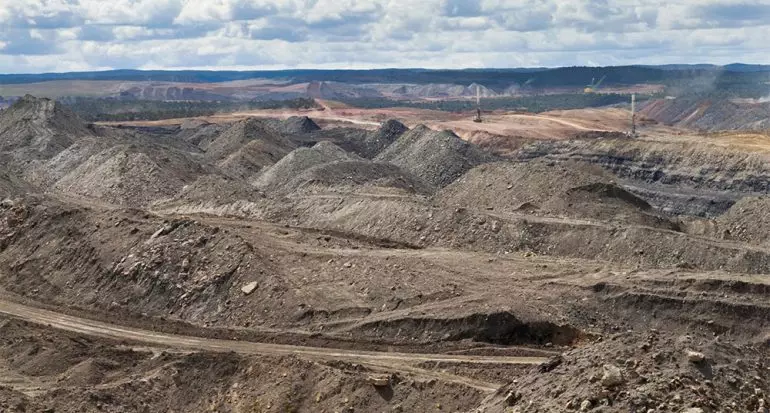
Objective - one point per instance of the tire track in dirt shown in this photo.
(402, 362)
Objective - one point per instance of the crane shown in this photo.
(593, 87)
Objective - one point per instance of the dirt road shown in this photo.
(403, 362)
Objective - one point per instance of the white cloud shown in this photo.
(45, 35)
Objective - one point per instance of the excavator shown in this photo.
(593, 87)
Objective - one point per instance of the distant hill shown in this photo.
(181, 91)
(563, 76)
(741, 67)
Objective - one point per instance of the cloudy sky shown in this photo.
(67, 35)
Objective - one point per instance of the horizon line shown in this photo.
(377, 69)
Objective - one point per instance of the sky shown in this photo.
(80, 35)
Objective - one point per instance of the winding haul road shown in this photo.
(404, 362)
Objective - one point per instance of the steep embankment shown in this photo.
(129, 261)
(747, 221)
(39, 128)
(709, 114)
(542, 189)
(681, 178)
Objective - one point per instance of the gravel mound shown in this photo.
(356, 176)
(748, 221)
(642, 373)
(299, 160)
(41, 127)
(248, 161)
(244, 132)
(219, 189)
(327, 167)
(374, 143)
(248, 146)
(437, 158)
(217, 195)
(299, 125)
(131, 260)
(365, 143)
(127, 175)
(542, 188)
(200, 134)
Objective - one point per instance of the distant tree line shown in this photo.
(119, 110)
(493, 78)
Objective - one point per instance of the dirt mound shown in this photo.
(215, 194)
(251, 159)
(437, 158)
(376, 142)
(639, 373)
(129, 261)
(408, 221)
(200, 134)
(247, 147)
(274, 145)
(40, 127)
(299, 125)
(355, 176)
(748, 221)
(542, 188)
(299, 160)
(364, 143)
(327, 167)
(219, 189)
(678, 177)
(129, 175)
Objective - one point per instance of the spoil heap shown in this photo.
(437, 158)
